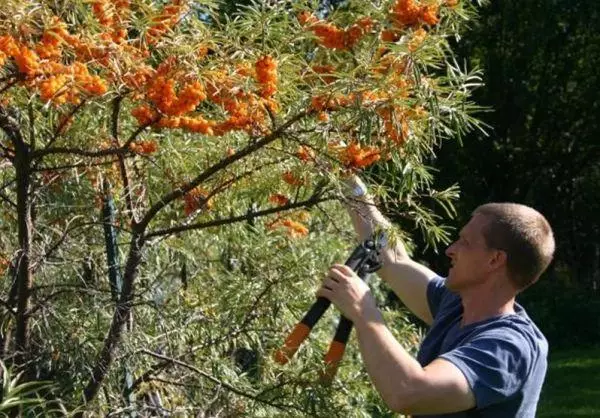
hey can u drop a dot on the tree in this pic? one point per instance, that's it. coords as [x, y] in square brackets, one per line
[193, 146]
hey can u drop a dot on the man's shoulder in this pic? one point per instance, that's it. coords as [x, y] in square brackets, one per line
[516, 330]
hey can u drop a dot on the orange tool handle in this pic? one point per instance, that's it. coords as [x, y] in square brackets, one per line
[292, 343]
[332, 360]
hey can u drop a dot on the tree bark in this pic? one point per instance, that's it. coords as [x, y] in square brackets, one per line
[120, 317]
[10, 124]
[24, 274]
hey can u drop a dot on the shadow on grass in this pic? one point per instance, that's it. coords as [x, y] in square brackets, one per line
[572, 386]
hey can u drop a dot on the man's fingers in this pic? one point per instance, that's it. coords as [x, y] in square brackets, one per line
[325, 292]
[330, 282]
[340, 272]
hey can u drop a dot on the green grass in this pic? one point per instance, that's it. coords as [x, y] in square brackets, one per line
[572, 386]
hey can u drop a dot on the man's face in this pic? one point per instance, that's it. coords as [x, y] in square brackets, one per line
[469, 255]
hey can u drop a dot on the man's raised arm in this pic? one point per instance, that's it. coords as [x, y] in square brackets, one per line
[407, 278]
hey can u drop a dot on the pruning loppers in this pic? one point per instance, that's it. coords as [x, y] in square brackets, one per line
[364, 259]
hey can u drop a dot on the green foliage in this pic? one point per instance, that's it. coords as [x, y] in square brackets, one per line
[22, 397]
[210, 289]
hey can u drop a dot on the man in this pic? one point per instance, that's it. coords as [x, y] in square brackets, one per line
[483, 356]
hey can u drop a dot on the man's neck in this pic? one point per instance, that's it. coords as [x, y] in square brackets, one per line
[486, 301]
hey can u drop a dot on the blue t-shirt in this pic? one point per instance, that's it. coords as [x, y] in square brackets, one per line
[503, 358]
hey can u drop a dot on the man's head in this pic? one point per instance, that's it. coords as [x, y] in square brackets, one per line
[504, 238]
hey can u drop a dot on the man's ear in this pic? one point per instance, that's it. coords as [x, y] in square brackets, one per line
[498, 259]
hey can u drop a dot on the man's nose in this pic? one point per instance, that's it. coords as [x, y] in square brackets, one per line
[450, 250]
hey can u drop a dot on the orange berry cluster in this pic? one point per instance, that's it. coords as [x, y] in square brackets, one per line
[279, 199]
[331, 101]
[418, 37]
[391, 63]
[139, 78]
[245, 69]
[395, 123]
[389, 35]
[170, 106]
[41, 68]
[325, 73]
[266, 75]
[409, 13]
[53, 37]
[195, 199]
[171, 97]
[162, 23]
[246, 110]
[323, 116]
[294, 229]
[305, 153]
[332, 36]
[8, 48]
[103, 12]
[291, 179]
[67, 86]
[112, 14]
[144, 147]
[354, 156]
[162, 93]
[144, 114]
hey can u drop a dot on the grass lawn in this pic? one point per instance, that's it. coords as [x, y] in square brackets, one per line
[572, 387]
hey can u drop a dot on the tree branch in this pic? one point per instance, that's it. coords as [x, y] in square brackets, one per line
[85, 153]
[74, 165]
[224, 163]
[313, 200]
[122, 168]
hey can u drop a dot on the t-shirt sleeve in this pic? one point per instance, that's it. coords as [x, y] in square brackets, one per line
[435, 293]
[495, 365]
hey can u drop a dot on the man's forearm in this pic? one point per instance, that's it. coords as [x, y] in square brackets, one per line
[405, 386]
[366, 219]
[407, 279]
[365, 216]
[394, 372]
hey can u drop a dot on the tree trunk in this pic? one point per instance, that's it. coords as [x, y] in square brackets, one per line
[120, 317]
[23, 264]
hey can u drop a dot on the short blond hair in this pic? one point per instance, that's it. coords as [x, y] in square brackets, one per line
[524, 235]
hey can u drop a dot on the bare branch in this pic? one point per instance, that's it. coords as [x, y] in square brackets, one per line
[59, 241]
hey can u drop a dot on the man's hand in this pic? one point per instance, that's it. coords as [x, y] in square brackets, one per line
[354, 187]
[349, 294]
